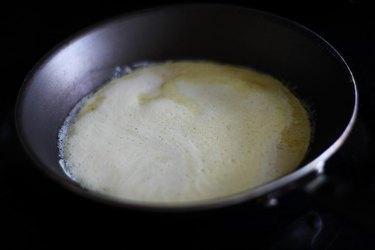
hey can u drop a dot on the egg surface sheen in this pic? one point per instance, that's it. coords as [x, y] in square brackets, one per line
[185, 131]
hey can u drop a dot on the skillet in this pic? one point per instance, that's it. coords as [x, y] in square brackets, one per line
[303, 60]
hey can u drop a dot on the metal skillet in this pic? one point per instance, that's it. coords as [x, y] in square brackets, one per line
[312, 68]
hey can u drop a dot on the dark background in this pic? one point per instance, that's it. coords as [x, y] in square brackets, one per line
[36, 213]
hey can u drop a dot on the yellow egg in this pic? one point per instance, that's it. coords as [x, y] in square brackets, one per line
[186, 131]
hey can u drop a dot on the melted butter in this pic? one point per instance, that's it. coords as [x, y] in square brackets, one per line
[170, 91]
[186, 131]
[241, 80]
[91, 105]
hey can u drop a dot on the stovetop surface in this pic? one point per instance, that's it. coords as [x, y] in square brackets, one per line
[36, 213]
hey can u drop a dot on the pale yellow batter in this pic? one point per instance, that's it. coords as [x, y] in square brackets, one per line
[186, 131]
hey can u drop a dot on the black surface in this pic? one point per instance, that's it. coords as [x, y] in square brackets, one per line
[35, 213]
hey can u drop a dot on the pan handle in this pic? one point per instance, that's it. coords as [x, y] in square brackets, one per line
[344, 199]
